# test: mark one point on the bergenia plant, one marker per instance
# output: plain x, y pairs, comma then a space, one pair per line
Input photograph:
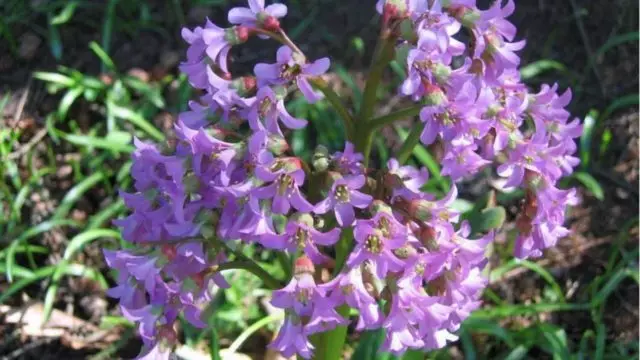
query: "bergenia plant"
363, 243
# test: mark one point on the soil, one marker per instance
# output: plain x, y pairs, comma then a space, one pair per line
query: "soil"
554, 30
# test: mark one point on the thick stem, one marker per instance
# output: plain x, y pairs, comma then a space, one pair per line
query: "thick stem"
410, 142
396, 115
363, 127
252, 267
337, 104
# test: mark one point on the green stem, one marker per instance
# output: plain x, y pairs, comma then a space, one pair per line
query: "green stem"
252, 267
337, 104
396, 115
410, 142
363, 127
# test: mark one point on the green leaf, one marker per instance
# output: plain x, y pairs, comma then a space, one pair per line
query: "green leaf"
67, 101
31, 232
602, 295
328, 345
138, 120
102, 143
66, 13
55, 78
590, 183
544, 274
513, 310
487, 219
518, 353
367, 349
615, 41
55, 44
76, 243
486, 326
619, 103
585, 139
538, 67
75, 193
343, 248
102, 54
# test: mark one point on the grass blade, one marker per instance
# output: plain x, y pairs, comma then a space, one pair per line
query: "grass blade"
538, 67
590, 183
75, 193
36, 230
137, 120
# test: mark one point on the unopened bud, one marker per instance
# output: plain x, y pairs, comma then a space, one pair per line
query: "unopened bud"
277, 144
244, 85
405, 252
237, 35
428, 237
303, 218
378, 206
304, 265
442, 73
321, 160
434, 94
268, 22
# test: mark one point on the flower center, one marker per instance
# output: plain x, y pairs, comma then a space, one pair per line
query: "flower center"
301, 237
289, 72
285, 182
373, 244
342, 193
264, 106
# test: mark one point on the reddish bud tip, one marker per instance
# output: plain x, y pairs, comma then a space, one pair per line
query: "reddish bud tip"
169, 251
243, 33
271, 24
304, 265
249, 83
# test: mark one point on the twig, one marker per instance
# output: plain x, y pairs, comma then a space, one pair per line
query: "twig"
23, 100
26, 147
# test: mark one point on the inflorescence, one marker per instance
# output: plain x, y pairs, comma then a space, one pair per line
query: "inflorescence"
412, 268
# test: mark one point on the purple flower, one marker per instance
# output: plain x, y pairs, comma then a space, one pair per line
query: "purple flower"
343, 197
461, 161
299, 295
324, 318
376, 239
349, 161
300, 234
288, 68
292, 339
412, 179
269, 107
284, 190
349, 288
258, 15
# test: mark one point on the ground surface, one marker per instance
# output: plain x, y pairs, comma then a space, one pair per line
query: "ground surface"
145, 42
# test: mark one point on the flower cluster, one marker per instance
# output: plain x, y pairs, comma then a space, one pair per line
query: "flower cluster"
412, 267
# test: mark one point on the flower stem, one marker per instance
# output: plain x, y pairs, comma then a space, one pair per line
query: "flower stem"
363, 127
410, 142
337, 104
245, 263
252, 267
396, 115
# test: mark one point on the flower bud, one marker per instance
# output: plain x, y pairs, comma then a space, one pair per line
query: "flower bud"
321, 160
434, 94
277, 144
442, 73
420, 209
303, 265
244, 85
405, 252
380, 206
237, 35
268, 22
428, 237
303, 218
